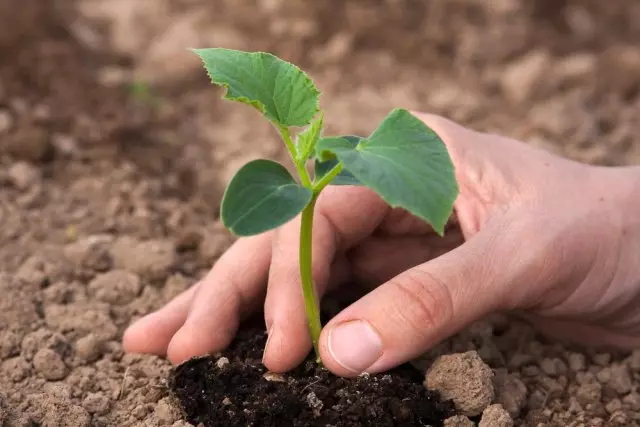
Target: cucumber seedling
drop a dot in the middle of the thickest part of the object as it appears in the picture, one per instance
(403, 160)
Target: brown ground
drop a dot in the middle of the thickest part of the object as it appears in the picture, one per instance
(114, 150)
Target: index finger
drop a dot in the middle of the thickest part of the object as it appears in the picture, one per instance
(232, 288)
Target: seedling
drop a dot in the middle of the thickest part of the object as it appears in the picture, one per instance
(403, 160)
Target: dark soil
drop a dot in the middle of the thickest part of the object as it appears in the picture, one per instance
(238, 393)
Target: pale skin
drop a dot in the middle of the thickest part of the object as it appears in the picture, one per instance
(554, 241)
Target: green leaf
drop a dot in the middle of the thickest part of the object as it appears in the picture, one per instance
(308, 138)
(322, 168)
(280, 90)
(261, 196)
(406, 163)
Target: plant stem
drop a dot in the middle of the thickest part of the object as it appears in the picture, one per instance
(326, 180)
(311, 305)
(300, 165)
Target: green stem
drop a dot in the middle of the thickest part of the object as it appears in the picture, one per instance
(300, 165)
(326, 180)
(311, 305)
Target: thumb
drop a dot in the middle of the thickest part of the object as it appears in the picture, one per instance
(410, 313)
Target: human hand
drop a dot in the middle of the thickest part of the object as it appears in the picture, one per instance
(553, 240)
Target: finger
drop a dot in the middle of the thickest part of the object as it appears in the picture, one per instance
(401, 319)
(234, 285)
(152, 333)
(378, 259)
(399, 222)
(343, 216)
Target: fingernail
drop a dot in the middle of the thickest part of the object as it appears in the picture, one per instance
(266, 346)
(354, 345)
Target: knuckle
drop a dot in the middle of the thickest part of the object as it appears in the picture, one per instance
(426, 303)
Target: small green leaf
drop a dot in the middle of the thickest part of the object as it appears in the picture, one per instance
(261, 196)
(308, 138)
(280, 90)
(406, 163)
(322, 168)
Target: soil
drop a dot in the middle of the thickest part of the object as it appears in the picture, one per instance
(114, 149)
(234, 389)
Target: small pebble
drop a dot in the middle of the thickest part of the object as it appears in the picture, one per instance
(495, 416)
(273, 377)
(23, 175)
(511, 392)
(602, 359)
(50, 364)
(577, 362)
(458, 421)
(621, 380)
(222, 362)
(89, 348)
(314, 403)
(553, 367)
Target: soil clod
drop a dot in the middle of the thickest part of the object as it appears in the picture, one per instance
(458, 421)
(463, 378)
(495, 416)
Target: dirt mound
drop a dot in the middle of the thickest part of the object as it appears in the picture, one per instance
(236, 390)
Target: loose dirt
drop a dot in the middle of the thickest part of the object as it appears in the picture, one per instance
(114, 150)
(234, 389)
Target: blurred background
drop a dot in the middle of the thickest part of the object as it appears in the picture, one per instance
(115, 126)
(115, 148)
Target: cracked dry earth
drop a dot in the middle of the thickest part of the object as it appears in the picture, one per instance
(114, 150)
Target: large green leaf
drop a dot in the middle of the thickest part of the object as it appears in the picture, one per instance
(261, 196)
(280, 90)
(324, 167)
(405, 162)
